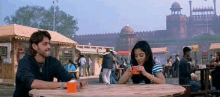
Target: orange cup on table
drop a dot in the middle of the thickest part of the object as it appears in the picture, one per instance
(72, 86)
(134, 70)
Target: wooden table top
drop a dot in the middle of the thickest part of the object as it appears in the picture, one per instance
(207, 68)
(151, 90)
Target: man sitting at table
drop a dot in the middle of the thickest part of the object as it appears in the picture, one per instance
(37, 70)
(216, 72)
(185, 71)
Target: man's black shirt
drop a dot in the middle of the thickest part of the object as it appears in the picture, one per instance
(29, 70)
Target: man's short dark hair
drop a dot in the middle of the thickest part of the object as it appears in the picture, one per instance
(107, 50)
(186, 49)
(177, 55)
(70, 61)
(36, 38)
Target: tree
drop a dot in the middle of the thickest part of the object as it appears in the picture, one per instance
(39, 17)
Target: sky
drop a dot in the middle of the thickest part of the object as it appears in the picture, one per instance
(110, 16)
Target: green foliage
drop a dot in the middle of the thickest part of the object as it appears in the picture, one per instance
(39, 17)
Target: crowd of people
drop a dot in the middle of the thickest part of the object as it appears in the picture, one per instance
(174, 70)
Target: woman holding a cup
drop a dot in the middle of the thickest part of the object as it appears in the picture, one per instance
(143, 70)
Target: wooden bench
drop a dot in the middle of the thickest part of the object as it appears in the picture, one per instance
(188, 92)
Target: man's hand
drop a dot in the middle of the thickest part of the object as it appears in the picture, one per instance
(215, 64)
(71, 71)
(194, 67)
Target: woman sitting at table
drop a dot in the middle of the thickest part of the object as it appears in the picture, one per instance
(70, 67)
(142, 57)
(216, 73)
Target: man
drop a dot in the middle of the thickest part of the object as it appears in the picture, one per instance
(155, 60)
(185, 71)
(37, 70)
(107, 65)
(82, 62)
(176, 66)
(89, 64)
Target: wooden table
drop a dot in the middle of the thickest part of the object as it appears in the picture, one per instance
(151, 90)
(204, 75)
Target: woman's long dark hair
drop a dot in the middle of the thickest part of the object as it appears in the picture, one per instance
(71, 62)
(148, 64)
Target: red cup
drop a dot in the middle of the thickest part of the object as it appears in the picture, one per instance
(72, 87)
(134, 70)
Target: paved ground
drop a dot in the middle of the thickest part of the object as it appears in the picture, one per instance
(7, 91)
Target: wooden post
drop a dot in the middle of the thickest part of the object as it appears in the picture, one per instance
(62, 59)
(73, 53)
(57, 49)
(14, 50)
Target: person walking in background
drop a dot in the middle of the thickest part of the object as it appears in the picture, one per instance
(77, 60)
(185, 71)
(155, 60)
(170, 60)
(89, 65)
(70, 67)
(176, 66)
(112, 78)
(82, 62)
(107, 65)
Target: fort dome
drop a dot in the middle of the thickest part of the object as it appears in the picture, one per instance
(127, 30)
(175, 5)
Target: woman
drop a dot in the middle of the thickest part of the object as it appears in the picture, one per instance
(70, 67)
(171, 60)
(216, 73)
(141, 56)
(112, 79)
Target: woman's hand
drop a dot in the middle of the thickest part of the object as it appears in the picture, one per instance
(141, 69)
(129, 71)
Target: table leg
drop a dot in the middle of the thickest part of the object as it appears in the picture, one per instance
(207, 82)
(168, 72)
(202, 80)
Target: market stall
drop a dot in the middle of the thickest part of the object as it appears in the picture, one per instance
(95, 53)
(14, 45)
(160, 54)
(124, 55)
